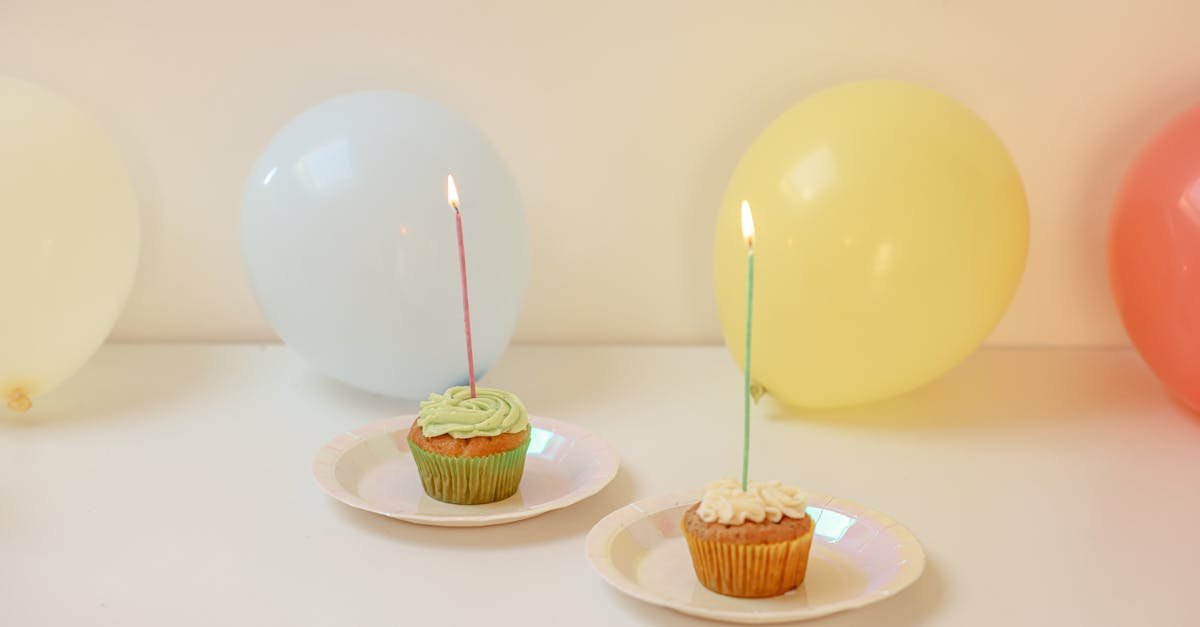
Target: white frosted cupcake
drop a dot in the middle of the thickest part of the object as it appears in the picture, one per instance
(751, 543)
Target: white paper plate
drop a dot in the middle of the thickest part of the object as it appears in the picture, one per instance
(372, 469)
(858, 557)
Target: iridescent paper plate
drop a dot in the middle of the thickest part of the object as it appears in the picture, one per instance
(372, 469)
(859, 557)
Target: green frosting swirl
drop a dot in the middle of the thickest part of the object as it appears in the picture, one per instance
(491, 412)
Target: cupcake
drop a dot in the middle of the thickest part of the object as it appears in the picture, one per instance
(751, 543)
(470, 451)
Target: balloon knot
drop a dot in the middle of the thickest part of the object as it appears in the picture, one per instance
(757, 391)
(18, 401)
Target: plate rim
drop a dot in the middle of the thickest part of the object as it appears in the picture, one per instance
(606, 529)
(328, 456)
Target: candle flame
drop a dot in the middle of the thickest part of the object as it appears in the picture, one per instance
(747, 225)
(451, 192)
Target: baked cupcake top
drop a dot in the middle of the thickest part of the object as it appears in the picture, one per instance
(726, 503)
(490, 413)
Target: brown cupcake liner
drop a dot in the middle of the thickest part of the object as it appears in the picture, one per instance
(470, 480)
(750, 570)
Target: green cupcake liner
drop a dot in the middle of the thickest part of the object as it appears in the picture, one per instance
(470, 480)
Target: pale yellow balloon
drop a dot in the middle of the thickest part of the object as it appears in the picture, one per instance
(892, 230)
(69, 237)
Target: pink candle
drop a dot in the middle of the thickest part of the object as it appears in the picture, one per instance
(452, 198)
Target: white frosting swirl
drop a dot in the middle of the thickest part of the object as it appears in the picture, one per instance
(725, 502)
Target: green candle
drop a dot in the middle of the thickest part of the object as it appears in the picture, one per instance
(748, 235)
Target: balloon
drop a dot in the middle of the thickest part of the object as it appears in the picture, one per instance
(351, 246)
(891, 234)
(68, 240)
(1154, 255)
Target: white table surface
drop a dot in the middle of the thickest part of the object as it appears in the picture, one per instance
(170, 485)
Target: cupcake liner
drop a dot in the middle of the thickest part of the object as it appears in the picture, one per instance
(470, 480)
(750, 570)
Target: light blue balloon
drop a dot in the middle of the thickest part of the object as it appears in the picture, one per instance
(351, 246)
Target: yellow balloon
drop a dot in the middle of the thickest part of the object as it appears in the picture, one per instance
(892, 229)
(69, 237)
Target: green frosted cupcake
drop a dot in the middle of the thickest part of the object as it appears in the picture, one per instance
(470, 451)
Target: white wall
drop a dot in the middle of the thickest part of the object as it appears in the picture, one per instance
(620, 118)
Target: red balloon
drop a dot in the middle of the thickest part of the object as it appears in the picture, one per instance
(1154, 255)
